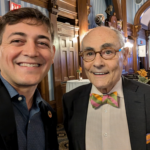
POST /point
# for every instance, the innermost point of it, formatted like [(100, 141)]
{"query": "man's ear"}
[(125, 56), (53, 53)]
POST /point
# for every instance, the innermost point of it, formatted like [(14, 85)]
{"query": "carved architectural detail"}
[(88, 9), (52, 7), (66, 29), (135, 30)]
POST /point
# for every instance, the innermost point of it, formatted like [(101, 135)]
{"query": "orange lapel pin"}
[(49, 114), (147, 138)]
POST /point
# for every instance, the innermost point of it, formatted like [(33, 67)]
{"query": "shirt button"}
[(105, 134), (29, 121), (19, 98)]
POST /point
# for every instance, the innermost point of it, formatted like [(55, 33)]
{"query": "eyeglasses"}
[(89, 55)]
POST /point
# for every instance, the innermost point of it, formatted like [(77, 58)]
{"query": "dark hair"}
[(18, 15)]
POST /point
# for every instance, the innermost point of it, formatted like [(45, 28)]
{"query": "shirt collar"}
[(12, 92), (37, 96), (118, 88)]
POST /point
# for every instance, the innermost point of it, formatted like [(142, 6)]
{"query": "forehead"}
[(100, 36), (31, 26)]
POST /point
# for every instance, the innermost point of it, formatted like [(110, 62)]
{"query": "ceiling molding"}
[(67, 11), (74, 5)]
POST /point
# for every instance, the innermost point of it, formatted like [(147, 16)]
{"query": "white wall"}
[(98, 7)]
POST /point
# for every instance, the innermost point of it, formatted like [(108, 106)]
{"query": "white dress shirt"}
[(106, 127)]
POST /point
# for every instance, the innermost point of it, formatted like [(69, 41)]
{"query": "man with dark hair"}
[(112, 112), (27, 122)]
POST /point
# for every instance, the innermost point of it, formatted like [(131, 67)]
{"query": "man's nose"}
[(30, 49), (98, 61)]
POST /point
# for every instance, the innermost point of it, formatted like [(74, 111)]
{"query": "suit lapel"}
[(135, 112), (49, 126), (7, 120), (80, 116)]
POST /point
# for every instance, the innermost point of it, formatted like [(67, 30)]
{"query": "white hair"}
[(120, 36)]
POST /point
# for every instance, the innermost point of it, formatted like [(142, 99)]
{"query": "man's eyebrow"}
[(107, 45), (88, 48), (17, 33), (23, 34), (43, 37)]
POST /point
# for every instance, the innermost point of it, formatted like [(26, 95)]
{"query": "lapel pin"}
[(49, 114), (147, 138)]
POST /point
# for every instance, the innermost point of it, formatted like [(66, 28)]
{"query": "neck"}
[(28, 92)]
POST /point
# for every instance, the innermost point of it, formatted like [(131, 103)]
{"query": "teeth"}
[(28, 65), (99, 73)]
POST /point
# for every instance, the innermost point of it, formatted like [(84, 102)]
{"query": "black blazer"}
[(137, 103), (8, 133)]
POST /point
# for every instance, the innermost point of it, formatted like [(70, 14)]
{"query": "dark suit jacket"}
[(8, 133), (137, 103)]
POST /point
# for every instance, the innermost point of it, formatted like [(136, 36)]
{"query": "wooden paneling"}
[(71, 60), (68, 58), (63, 87), (65, 67), (117, 8), (44, 88), (124, 17), (68, 2), (67, 8), (66, 61), (57, 72), (42, 3), (83, 25)]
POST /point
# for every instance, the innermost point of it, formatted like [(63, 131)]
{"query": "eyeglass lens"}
[(106, 54)]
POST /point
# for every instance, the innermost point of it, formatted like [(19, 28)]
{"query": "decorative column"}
[(135, 30)]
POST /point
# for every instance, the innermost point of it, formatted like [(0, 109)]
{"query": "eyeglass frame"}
[(81, 53)]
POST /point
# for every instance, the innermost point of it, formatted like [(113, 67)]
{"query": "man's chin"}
[(28, 83), (102, 88)]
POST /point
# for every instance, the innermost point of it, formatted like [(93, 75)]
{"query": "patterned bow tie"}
[(97, 100)]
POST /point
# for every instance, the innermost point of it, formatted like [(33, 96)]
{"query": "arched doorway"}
[(137, 22)]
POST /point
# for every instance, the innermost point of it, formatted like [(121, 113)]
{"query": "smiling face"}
[(103, 74), (26, 53)]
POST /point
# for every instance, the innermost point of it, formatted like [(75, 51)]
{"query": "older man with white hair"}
[(110, 113)]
